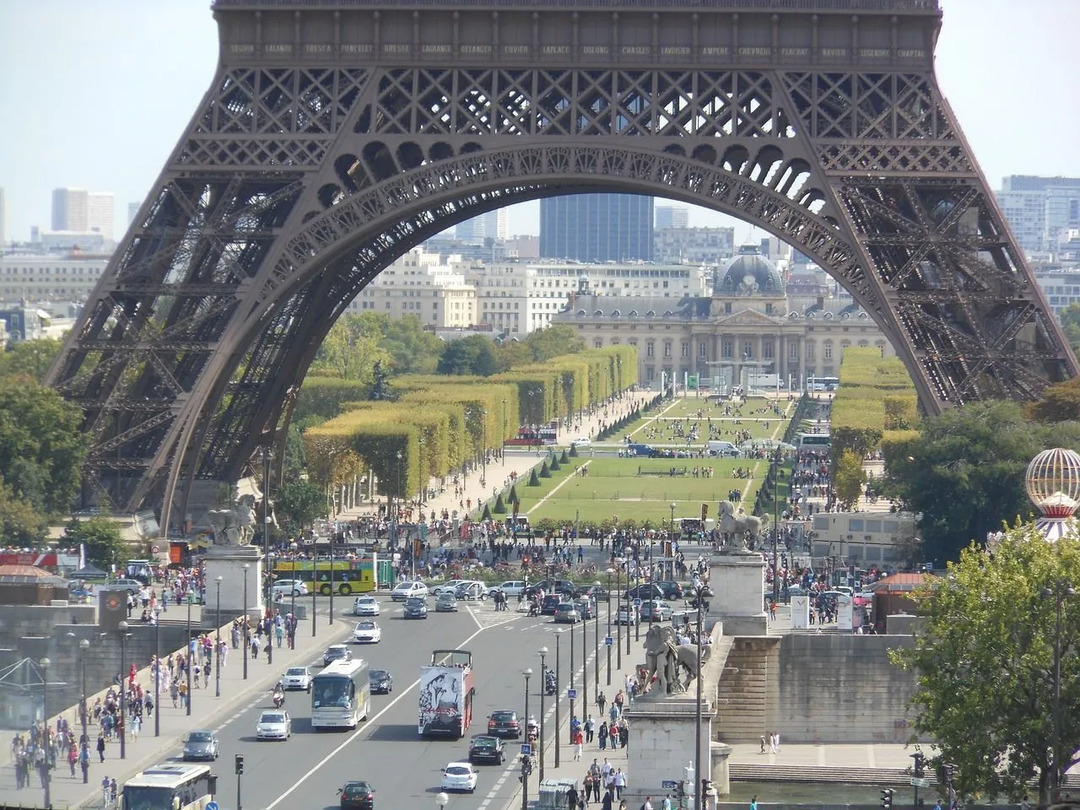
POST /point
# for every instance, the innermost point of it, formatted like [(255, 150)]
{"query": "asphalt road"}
[(386, 750)]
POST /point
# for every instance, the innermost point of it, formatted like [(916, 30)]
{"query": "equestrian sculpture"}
[(742, 528)]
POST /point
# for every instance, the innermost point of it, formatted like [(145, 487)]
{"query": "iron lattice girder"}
[(295, 186)]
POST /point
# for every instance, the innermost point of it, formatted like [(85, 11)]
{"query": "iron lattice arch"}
[(294, 186)]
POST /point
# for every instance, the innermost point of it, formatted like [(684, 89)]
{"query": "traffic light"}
[(706, 786), (239, 764), (886, 799), (919, 762)]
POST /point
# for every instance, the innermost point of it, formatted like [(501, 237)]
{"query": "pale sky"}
[(94, 94)]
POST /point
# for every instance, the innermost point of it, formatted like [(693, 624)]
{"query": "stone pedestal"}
[(738, 585), (721, 775), (228, 563), (662, 744)]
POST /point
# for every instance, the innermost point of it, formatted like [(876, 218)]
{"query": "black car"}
[(504, 723), (550, 604), (336, 652), (645, 591), (671, 589), (357, 794), (485, 748), (597, 592), (550, 586), (416, 607), (382, 682)]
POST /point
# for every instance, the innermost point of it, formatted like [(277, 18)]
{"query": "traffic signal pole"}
[(239, 772)]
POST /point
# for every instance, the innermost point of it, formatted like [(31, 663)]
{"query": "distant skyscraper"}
[(80, 211), (71, 210), (1040, 209), (597, 227), (672, 216), (3, 219), (492, 225)]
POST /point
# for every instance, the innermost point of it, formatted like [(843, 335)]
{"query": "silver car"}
[(274, 724), (297, 678), (201, 743)]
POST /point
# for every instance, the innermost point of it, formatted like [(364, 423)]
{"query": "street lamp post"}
[(558, 688), (1061, 591), (190, 657), (84, 648), (244, 634), (157, 675), (46, 767), (584, 668), (608, 627), (527, 672), (776, 527), (542, 652), (637, 613), (267, 588), (570, 681), (596, 643), (699, 596), (217, 643), (441, 801), (123, 628), (618, 632), (670, 574), (504, 455)]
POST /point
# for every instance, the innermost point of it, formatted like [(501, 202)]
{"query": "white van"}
[(722, 449)]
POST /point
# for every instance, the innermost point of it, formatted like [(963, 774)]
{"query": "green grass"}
[(613, 487), (659, 428)]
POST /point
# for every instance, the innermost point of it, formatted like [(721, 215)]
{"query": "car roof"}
[(459, 764)]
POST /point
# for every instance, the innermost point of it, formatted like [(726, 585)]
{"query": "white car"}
[(366, 633), (512, 587), (365, 606), (459, 776), (289, 587), (582, 441), (297, 678), (403, 590), (274, 724), (450, 586)]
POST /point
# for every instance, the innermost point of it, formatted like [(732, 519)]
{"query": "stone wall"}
[(842, 688)]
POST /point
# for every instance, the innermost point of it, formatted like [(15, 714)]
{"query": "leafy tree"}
[(984, 661), (380, 383), (1070, 324), (472, 355), (348, 352), (20, 523), (42, 446), (965, 472), (848, 478), (298, 504), (1059, 403), (412, 349), (29, 357), (105, 547)]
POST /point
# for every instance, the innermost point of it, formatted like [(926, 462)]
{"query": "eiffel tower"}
[(338, 134)]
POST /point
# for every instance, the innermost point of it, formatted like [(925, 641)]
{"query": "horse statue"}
[(742, 527), (233, 525), (245, 518), (673, 665)]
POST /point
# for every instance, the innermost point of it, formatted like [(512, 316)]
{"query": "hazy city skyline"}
[(97, 95)]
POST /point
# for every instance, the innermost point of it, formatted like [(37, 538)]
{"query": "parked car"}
[(450, 586), (416, 607), (551, 586), (512, 587), (551, 604), (336, 652), (626, 614), (132, 586), (671, 589), (274, 724), (567, 612), (366, 606), (636, 450), (581, 441), (646, 590), (201, 743), (459, 776), (504, 723), (486, 748), (289, 587), (360, 795), (446, 602), (382, 682), (297, 678), (367, 632), (655, 610), (597, 592), (473, 589), (408, 589)]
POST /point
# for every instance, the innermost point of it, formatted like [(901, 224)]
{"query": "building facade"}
[(49, 276), (597, 227), (697, 245), (421, 284), (746, 328), (1040, 209), (672, 216)]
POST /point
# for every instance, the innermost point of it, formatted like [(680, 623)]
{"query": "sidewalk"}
[(207, 711)]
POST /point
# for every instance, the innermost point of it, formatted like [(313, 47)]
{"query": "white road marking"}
[(364, 729)]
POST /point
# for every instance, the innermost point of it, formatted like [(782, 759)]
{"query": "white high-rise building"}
[(672, 216), (421, 284), (1040, 210), (492, 225), (79, 211), (102, 215)]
